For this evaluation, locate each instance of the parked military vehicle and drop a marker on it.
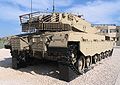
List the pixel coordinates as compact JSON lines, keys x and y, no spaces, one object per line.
{"x":63,"y":37}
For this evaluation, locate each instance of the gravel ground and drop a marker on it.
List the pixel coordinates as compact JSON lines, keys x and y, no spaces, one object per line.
{"x":106,"y":72}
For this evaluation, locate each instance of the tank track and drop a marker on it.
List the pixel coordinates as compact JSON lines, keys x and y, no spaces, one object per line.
{"x":67,"y":61}
{"x":74,"y":69}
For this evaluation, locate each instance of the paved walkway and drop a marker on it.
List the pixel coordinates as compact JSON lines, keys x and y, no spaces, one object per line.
{"x":118,"y":79}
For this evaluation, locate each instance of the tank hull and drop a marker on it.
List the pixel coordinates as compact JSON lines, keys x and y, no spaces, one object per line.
{"x":62,"y":37}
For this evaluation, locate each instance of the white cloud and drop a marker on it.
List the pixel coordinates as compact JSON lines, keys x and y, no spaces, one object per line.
{"x":11,"y":9}
{"x":98,"y":11}
{"x":95,"y":11}
{"x":8,"y":13}
{"x":42,"y":4}
{"x":63,"y":3}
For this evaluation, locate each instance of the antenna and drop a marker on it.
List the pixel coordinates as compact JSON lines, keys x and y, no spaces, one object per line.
{"x":30,"y":17}
{"x":31,"y":7}
{"x":53,"y":5}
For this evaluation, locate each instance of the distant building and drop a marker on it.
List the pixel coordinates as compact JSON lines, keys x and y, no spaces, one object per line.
{"x":111,"y":31}
{"x":118,"y":36}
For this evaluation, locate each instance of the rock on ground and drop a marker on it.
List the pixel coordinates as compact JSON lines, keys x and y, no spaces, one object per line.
{"x":105,"y":72}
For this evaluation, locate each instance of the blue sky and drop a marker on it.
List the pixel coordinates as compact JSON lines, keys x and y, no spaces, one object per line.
{"x":94,"y":11}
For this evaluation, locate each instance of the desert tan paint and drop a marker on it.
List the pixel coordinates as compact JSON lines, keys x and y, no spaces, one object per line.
{"x":90,"y":42}
{"x":78,"y":23}
{"x":18,"y":43}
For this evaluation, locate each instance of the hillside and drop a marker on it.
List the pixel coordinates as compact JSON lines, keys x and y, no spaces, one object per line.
{"x":3,"y":41}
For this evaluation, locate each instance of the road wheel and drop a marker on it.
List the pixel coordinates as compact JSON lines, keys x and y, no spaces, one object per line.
{"x":99,"y":57}
{"x":106,"y":54}
{"x":72,"y":53}
{"x":111,"y":51}
{"x":81,"y":64}
{"x":95,"y":59}
{"x":18,"y":60}
{"x":88,"y":62}
{"x":15,"y":62}
{"x":102,"y":56}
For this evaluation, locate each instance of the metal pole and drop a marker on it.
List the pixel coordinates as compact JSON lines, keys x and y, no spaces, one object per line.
{"x":31,"y":6}
{"x":30,"y":16}
{"x":53,"y":5}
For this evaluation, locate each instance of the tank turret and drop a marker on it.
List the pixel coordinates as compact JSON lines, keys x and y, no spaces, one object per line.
{"x":54,"y":22}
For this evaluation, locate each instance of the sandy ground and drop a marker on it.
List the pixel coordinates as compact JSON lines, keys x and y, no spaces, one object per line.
{"x":106,"y":72}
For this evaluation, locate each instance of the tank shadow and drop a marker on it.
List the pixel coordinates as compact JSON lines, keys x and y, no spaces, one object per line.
{"x":48,"y":68}
{"x":6,"y":63}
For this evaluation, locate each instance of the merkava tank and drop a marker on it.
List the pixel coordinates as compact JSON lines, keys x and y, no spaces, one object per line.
{"x":63,"y":37}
